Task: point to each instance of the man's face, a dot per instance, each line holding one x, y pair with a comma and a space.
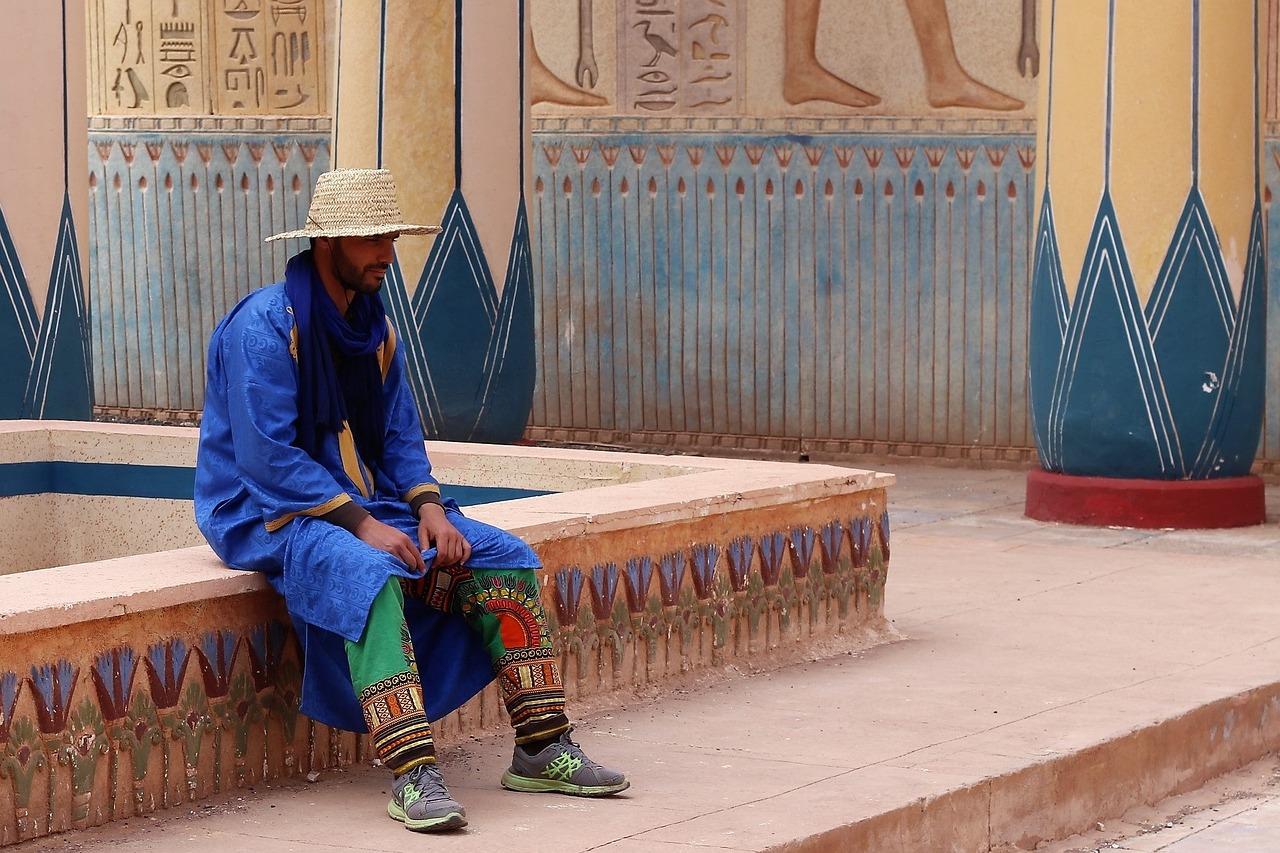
360, 263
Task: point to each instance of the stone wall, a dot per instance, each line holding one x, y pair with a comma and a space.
152, 681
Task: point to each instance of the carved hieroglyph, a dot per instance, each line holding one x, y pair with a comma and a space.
207, 57
680, 57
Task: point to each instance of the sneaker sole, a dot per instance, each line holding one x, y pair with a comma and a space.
530, 785
452, 820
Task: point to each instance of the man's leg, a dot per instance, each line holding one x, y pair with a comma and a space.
385, 676
504, 606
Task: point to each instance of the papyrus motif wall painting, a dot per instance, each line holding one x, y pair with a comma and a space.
799, 225
44, 339
209, 124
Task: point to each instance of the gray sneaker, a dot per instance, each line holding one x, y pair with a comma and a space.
421, 802
562, 768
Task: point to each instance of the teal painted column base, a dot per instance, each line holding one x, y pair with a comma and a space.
1146, 504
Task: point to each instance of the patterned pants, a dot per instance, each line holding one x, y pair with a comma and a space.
505, 609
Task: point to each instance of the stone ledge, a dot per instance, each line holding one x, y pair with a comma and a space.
151, 681
67, 595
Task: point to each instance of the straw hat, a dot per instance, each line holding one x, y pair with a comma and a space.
355, 203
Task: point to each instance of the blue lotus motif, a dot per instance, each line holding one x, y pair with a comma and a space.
802, 540
604, 589
740, 552
113, 673
9, 687
266, 651
217, 653
773, 549
705, 558
53, 685
166, 666
671, 576
639, 576
831, 542
568, 592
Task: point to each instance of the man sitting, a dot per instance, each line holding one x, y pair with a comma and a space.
312, 469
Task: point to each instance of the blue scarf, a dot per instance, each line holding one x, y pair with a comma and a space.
339, 378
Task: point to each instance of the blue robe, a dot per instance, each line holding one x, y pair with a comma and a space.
259, 499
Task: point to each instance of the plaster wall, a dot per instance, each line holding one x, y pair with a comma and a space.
36, 531
778, 250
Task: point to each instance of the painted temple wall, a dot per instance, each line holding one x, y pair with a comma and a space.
803, 256
746, 268
724, 257
208, 126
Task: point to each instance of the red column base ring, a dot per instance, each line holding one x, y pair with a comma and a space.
1147, 504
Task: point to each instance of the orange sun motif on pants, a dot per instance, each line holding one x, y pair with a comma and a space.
518, 625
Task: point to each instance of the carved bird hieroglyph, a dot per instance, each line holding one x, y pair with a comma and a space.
658, 43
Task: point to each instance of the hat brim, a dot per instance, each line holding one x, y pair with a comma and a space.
402, 228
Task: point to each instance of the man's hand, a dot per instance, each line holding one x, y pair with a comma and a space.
384, 537
435, 529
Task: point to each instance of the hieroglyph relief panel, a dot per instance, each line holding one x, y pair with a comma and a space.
680, 56
663, 59
193, 57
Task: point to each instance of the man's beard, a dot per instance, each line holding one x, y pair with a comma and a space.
353, 279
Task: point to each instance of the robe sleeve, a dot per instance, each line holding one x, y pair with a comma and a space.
404, 455
262, 408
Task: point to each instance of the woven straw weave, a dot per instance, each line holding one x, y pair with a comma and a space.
355, 203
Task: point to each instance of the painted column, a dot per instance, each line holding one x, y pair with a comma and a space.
1147, 352
434, 91
44, 344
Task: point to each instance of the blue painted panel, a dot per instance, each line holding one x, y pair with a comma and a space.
1191, 314
590, 330
1047, 330
168, 481
60, 385
17, 327
509, 372
1232, 439
477, 351
1023, 255
956, 242
896, 309
1110, 416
